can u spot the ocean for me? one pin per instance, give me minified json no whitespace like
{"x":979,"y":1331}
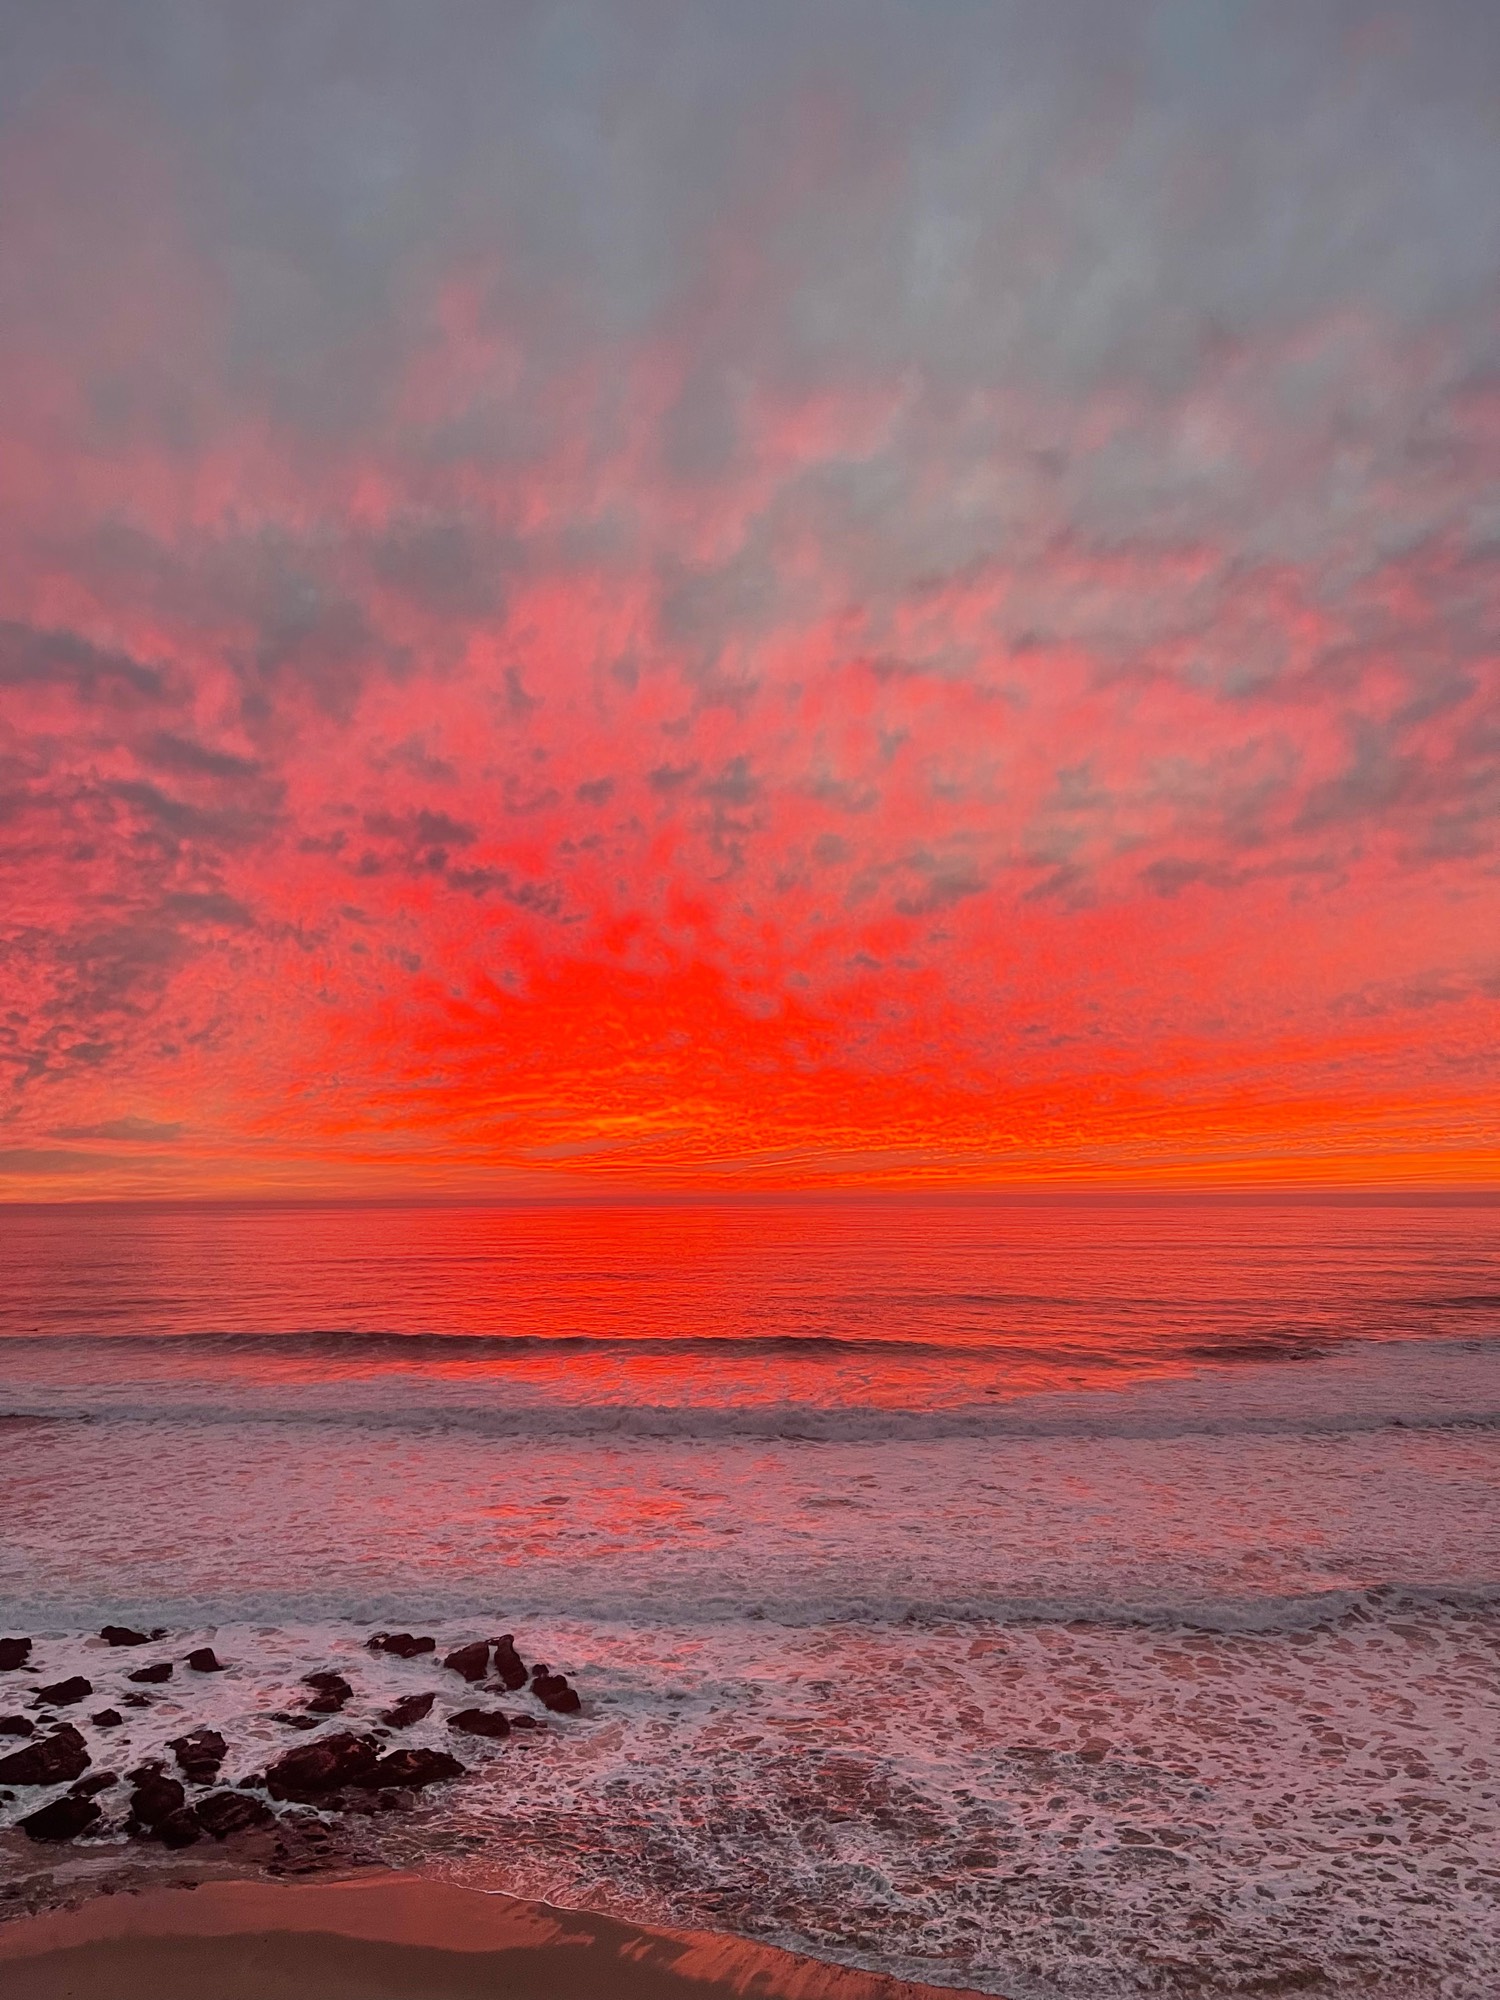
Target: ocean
{"x":1060,"y":1599}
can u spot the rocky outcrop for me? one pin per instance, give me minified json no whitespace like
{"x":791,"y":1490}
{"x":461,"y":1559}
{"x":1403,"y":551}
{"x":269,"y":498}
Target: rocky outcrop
{"x":95,"y":1783}
{"x":152,"y":1676}
{"x":472,"y":1661}
{"x":510,"y":1669}
{"x":14,"y":1653}
{"x":480,"y":1722}
{"x":17,"y":1725}
{"x":224,"y":1813}
{"x":554,"y":1692}
{"x":62,"y":1694}
{"x":411,"y":1708}
{"x":410,"y":1770}
{"x":314,"y":1769}
{"x":179,"y":1829}
{"x":123,"y":1635}
{"x":402,"y":1644}
{"x":199,"y":1753}
{"x":64,"y":1819}
{"x":49,"y":1760}
{"x":155,"y":1798}
{"x":332,"y":1691}
{"x":204,"y":1660}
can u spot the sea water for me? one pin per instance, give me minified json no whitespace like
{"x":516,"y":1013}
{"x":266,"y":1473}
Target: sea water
{"x":1070,"y":1599}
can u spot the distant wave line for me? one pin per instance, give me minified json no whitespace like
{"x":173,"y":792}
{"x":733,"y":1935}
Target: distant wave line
{"x":773,"y":1423}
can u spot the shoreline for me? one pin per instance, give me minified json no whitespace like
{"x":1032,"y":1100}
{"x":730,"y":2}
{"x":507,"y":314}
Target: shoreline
{"x":401,"y":1936}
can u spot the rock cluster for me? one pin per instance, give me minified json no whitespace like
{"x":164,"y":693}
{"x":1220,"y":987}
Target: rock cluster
{"x":343,"y":1769}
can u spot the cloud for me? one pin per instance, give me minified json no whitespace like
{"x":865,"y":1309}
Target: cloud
{"x":871,"y":572}
{"x":146,"y":1131}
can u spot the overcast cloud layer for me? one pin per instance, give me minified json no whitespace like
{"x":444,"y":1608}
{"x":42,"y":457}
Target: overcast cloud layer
{"x":720,"y":593}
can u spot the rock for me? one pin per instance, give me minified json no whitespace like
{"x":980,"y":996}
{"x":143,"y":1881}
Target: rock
{"x":402,"y":1644}
{"x":224,"y":1813}
{"x":480,"y":1722}
{"x":204,"y":1660}
{"x":64,"y":1819}
{"x":123,"y":1635}
{"x":328,"y":1683}
{"x":16,"y":1725}
{"x":313,"y":1769}
{"x":149,"y":1767}
{"x":473,"y":1661}
{"x":527,"y":1722}
{"x":412,"y":1769}
{"x":13,"y":1653}
{"x":510,"y":1669}
{"x":294,"y":1721}
{"x":62,"y":1694}
{"x":332,"y":1692}
{"x":107,"y":1718}
{"x":156,"y":1798}
{"x":94,"y":1783}
{"x":199,"y":1753}
{"x":179,"y":1829}
{"x":411,"y":1708}
{"x":553,"y":1691}
{"x":50,"y":1760}
{"x":150,"y":1676}
{"x":136,"y":1700}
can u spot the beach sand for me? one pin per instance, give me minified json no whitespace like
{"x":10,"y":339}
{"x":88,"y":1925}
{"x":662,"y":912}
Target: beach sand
{"x":378,"y":1936}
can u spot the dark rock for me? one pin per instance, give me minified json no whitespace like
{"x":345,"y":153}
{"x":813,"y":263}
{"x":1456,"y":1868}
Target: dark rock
{"x":553,"y":1691}
{"x":527,"y":1722}
{"x":62,"y":1694}
{"x":16,"y":1725}
{"x":107,"y":1718}
{"x":13,"y":1653}
{"x":156,"y":1798}
{"x":94,"y":1783}
{"x":473,"y":1661}
{"x":411,"y":1708}
{"x":510,"y":1669}
{"x":411,"y":1769}
{"x":158,"y":1631}
{"x":481,"y":1722}
{"x":199,"y":1753}
{"x":149,"y":1767}
{"x":224,"y":1813}
{"x":64,"y":1819}
{"x":50,"y":1760}
{"x":327,"y":1704}
{"x":313,"y":1769}
{"x":294,"y":1721}
{"x":204,"y":1660}
{"x":402,"y":1644}
{"x":136,"y":1700}
{"x":179,"y":1829}
{"x":328,"y":1683}
{"x":150,"y":1676}
{"x":123,"y":1635}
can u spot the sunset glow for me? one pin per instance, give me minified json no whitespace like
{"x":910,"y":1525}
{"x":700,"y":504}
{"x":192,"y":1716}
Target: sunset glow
{"x":773,"y":612}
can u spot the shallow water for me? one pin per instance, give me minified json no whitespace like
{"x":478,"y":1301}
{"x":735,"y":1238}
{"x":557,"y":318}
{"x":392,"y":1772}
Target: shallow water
{"x":1060,"y":1600}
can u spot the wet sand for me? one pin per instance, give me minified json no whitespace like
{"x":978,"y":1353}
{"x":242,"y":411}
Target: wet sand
{"x":377,"y":1936}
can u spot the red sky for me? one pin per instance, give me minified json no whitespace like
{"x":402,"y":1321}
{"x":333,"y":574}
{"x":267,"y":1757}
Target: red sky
{"x":598,"y":598}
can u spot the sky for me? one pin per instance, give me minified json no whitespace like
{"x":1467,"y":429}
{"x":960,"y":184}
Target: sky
{"x":717,"y":596}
